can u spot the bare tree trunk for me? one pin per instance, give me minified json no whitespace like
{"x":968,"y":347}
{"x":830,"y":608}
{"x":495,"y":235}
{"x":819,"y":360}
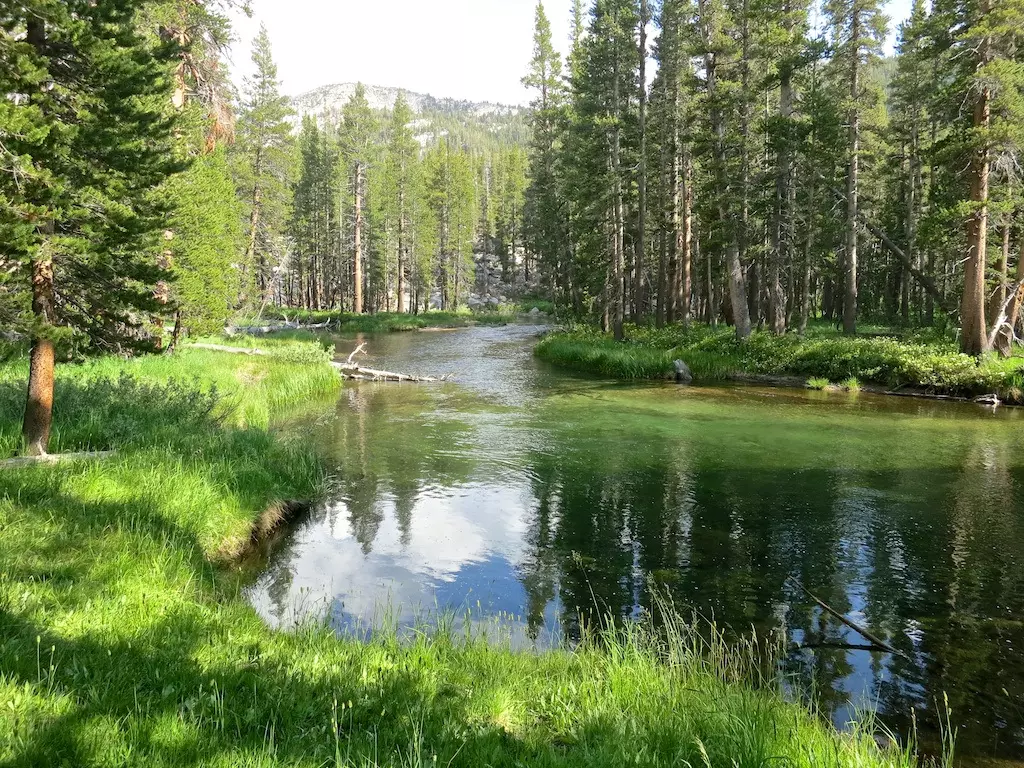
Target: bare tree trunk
{"x":1004,"y":335}
{"x":640,"y":246}
{"x":39,"y":403}
{"x":973,"y":336}
{"x":734,"y":267}
{"x":684,"y":288}
{"x":780,"y":237}
{"x":400,"y":270}
{"x":618,"y":267}
{"x":357,"y":300}
{"x":852,"y":186}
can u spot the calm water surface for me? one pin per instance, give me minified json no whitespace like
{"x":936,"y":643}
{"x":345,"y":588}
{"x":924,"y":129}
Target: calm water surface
{"x":528,"y":493}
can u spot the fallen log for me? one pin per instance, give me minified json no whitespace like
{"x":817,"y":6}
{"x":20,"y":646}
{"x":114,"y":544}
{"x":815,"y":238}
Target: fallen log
{"x":351,"y":370}
{"x":876,"y":641}
{"x":53,"y":458}
{"x":230,"y":350}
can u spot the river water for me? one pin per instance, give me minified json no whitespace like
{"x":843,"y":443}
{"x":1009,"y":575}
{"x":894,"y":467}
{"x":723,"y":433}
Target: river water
{"x":538,"y":497}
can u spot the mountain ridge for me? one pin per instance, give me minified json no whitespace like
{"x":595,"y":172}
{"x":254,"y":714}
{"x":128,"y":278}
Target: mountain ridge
{"x":328,"y":100}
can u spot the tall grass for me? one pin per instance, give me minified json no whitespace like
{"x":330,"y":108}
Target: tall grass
{"x":110,"y":402}
{"x":934,"y":364}
{"x":124,"y":643}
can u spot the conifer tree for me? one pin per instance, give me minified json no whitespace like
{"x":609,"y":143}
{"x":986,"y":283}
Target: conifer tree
{"x":453,"y":199}
{"x":544,"y":223}
{"x":86,"y":142}
{"x":358,"y":135}
{"x":264,"y":167}
{"x":403,"y":190}
{"x":858,"y":28}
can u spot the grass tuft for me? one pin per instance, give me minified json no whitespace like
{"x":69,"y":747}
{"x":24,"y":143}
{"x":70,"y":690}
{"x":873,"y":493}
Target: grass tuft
{"x":818,"y":383}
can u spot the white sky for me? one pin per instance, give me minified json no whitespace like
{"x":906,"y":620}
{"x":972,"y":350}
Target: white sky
{"x":466,"y":49}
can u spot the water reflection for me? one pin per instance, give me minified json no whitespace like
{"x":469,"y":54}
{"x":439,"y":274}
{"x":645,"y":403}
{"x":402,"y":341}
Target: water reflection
{"x":554,"y":501}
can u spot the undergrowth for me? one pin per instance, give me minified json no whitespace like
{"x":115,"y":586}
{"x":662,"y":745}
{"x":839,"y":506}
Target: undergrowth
{"x":715,"y":354}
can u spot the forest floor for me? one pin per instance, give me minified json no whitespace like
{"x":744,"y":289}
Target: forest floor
{"x":124,"y":638}
{"x":922,"y":360}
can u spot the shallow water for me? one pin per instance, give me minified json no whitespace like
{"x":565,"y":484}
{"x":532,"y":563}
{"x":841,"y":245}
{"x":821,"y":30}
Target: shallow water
{"x":539,"y":496}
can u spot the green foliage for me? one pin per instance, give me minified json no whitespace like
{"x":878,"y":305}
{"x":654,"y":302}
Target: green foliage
{"x":648,"y":353}
{"x":83,"y":147}
{"x":263,"y":163}
{"x":109,"y":403}
{"x":818,"y":383}
{"x":207,"y":239}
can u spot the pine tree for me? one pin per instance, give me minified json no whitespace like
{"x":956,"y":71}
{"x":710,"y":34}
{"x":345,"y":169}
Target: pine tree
{"x":544,"y":220}
{"x":453,"y":199}
{"x":992,"y":82}
{"x":264,"y":166}
{"x":86,"y":143}
{"x":403,"y":170}
{"x":206,"y":222}
{"x":718,"y":48}
{"x":858,"y":28}
{"x":358,"y":135}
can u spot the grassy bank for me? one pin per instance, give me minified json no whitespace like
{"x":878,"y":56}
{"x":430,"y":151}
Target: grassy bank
{"x":123,"y":639}
{"x":386,"y":322}
{"x":926,"y":361}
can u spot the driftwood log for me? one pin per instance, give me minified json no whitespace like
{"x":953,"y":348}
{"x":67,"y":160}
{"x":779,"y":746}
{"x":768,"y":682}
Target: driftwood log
{"x":349,"y":369}
{"x":352,"y":370}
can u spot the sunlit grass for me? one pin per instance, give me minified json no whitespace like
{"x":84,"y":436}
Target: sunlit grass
{"x":713,"y":354}
{"x":124,"y":639}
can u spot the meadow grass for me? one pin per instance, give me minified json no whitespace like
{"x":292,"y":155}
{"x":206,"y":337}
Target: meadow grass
{"x":393,"y":322}
{"x":923,"y":360}
{"x":124,"y":639}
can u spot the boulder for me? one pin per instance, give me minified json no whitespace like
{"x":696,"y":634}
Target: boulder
{"x":683,"y":373}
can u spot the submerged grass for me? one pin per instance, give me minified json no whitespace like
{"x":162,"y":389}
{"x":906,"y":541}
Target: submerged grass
{"x":123,"y":642}
{"x":930,"y":362}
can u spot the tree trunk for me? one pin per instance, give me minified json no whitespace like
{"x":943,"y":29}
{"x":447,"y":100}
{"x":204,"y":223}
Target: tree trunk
{"x":618,"y":236}
{"x":852,"y":187}
{"x":640,"y":246}
{"x":973,"y":336}
{"x":400,"y":270}
{"x":1004,"y":336}
{"x":39,"y":403}
{"x":684,"y":288}
{"x":780,"y":237}
{"x":734,"y":268}
{"x":357,"y":289}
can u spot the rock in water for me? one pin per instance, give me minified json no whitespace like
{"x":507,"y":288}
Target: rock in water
{"x":683,"y":373}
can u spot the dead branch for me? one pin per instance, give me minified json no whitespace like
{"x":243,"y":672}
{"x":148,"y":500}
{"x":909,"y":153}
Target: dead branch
{"x":867,"y":635}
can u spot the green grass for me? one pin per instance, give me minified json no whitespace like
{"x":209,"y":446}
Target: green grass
{"x":124,"y":640}
{"x":818,"y":384}
{"x":109,"y":403}
{"x":852,"y":384}
{"x":922,"y":360}
{"x":388,"y":322}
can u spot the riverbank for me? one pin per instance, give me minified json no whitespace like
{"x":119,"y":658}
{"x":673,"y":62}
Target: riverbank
{"x":929,"y":364}
{"x":124,"y":640}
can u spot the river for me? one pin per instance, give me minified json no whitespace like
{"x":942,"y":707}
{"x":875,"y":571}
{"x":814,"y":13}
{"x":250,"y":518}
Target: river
{"x":534,"y":497}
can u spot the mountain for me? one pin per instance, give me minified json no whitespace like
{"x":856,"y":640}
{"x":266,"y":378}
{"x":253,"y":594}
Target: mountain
{"x":476,"y":124}
{"x":328,"y":100}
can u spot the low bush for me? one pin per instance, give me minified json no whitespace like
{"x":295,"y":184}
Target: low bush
{"x":716,"y":354}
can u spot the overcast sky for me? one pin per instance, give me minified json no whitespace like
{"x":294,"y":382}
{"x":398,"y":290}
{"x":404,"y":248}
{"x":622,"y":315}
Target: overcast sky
{"x":466,"y":49}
